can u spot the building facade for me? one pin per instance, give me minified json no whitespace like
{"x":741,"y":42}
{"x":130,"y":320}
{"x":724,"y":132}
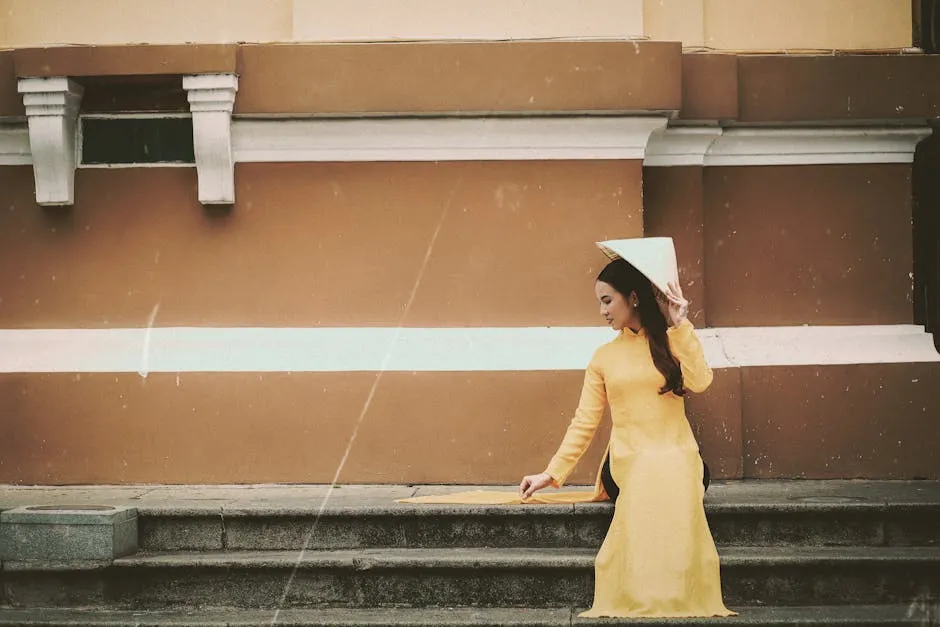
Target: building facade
{"x":248,"y":241}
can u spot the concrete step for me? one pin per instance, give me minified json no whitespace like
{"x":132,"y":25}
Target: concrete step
{"x":275,"y":517}
{"x":916,"y":614}
{"x":275,"y":527}
{"x":540,"y":578}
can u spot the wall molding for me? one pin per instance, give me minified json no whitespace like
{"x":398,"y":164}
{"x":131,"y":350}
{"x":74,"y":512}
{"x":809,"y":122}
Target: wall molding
{"x":209,"y":349}
{"x":444,"y":139}
{"x":495,"y":138}
{"x":680,"y":145}
{"x":220,"y":141}
{"x":814,"y":146}
{"x":583,"y":137}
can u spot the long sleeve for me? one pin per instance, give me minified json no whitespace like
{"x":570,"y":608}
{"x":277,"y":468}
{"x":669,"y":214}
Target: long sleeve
{"x":582,"y":428}
{"x":685,"y":346}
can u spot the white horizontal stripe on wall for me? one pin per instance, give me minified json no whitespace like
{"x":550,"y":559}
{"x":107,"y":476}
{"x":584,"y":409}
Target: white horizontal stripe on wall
{"x":443,"y":139}
{"x":428,"y":350}
{"x":825,"y":345}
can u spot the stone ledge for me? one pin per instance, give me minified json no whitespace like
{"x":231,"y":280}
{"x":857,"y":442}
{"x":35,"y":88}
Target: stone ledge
{"x":212,"y":500}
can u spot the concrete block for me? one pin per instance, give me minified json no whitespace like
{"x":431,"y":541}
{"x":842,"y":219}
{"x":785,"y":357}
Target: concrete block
{"x":67,"y":534}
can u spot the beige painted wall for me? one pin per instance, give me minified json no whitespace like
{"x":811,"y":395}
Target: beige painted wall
{"x":807,"y":24}
{"x":352,"y":20}
{"x":756,"y":25}
{"x":675,"y":20}
{"x":750,"y":25}
{"x":37,"y":22}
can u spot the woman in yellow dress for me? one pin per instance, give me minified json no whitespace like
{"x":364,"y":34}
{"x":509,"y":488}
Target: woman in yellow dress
{"x":658,"y":558}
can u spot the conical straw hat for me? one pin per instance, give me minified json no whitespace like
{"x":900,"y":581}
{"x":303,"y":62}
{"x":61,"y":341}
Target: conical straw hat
{"x":655,"y":257}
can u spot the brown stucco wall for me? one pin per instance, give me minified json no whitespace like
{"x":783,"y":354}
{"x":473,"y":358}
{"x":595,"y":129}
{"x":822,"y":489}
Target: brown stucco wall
{"x":342,"y":244}
{"x":709,"y":87}
{"x":459,"y":77}
{"x":789,"y":245}
{"x":126,"y":60}
{"x":673,"y":206}
{"x":281,"y":427}
{"x":416,"y":77}
{"x":11,"y":104}
{"x":457,"y":427}
{"x":781,"y":88}
{"x":716,"y":419}
{"x":312,"y":244}
{"x":534,"y":77}
{"x":861,"y":420}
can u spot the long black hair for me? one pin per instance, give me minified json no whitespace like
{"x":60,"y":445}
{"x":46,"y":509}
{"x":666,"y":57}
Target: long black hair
{"x":623,"y":277}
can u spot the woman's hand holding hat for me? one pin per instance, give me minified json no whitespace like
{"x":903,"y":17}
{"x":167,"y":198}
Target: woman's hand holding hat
{"x":674,"y":306}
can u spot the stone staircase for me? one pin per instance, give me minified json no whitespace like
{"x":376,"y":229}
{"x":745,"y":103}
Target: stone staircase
{"x":800,"y":552}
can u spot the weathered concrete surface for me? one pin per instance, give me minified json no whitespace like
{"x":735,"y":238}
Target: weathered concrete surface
{"x":869,"y":616}
{"x":272,"y":517}
{"x":782,"y":543}
{"x":540,"y":578}
{"x":67,"y":533}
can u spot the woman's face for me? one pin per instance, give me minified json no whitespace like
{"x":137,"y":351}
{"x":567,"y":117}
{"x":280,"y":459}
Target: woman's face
{"x":616,"y":309}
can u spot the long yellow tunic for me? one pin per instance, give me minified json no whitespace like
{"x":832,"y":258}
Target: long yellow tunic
{"x":658,"y":558}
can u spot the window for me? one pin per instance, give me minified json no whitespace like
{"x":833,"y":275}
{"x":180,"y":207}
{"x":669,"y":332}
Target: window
{"x":137,"y":139}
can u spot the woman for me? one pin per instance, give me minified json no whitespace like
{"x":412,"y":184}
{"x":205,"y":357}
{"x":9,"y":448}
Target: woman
{"x":658,"y":559}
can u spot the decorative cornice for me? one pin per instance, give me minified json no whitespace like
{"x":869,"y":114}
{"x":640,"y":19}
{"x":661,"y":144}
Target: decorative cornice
{"x":211,"y":99}
{"x":444,"y":139}
{"x":680,"y":145}
{"x":220,"y":141}
{"x":814,"y":146}
{"x":52,"y":115}
{"x":14,"y":145}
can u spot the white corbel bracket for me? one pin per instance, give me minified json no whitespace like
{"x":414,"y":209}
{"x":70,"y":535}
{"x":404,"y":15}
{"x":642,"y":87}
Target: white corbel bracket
{"x":52,"y":117}
{"x":211,"y":99}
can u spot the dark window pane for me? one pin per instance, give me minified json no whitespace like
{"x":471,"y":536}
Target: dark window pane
{"x":137,"y":140}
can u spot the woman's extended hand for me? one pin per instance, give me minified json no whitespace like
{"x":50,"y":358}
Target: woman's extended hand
{"x":674,"y":306}
{"x":533,"y":483}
